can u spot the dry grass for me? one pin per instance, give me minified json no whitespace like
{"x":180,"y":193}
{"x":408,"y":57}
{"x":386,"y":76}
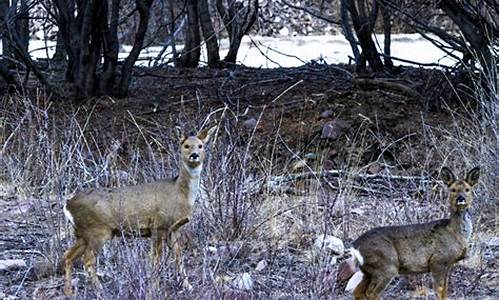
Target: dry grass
{"x":238,"y":221}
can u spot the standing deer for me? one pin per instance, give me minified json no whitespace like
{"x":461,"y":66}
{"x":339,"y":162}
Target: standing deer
{"x":157,"y":210}
{"x":384,"y":252}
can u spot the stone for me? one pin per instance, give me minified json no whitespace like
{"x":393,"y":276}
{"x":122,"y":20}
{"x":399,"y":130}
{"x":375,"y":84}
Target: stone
{"x":249,"y":124}
{"x":326,"y":114}
{"x":333,"y":129}
{"x":12,"y":264}
{"x":261,"y":265}
{"x":243,"y":282}
{"x":331,"y":243}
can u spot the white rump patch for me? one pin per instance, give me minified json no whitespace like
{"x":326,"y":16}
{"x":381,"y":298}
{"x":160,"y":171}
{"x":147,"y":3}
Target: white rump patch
{"x":354,"y":281}
{"x":68,"y":215}
{"x":355,"y":253}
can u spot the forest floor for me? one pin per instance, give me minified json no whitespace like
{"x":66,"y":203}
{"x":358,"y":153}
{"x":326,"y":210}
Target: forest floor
{"x":257,"y":223}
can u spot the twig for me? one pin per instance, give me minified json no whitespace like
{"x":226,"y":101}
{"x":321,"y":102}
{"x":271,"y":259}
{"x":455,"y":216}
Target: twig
{"x":276,"y":180}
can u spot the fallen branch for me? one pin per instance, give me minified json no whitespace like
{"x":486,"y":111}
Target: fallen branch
{"x":394,"y":86}
{"x":277,"y":180}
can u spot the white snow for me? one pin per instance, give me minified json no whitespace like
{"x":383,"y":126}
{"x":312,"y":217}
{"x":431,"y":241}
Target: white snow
{"x":290,"y":51}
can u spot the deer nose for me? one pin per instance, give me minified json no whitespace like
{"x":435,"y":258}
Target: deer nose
{"x":194,"y":156}
{"x":460,"y":200}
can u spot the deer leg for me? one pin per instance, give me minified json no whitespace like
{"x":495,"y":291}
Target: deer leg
{"x":89,"y":260}
{"x":69,"y":257}
{"x":377,"y":286}
{"x":158,"y":237}
{"x":360,"y":290}
{"x":440,"y":277}
{"x":174,"y":245}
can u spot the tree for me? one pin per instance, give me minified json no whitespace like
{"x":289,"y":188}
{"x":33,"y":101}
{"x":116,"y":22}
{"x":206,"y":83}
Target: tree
{"x":364,"y":16}
{"x":198,"y":17}
{"x":89,"y":31}
{"x":238,"y":18}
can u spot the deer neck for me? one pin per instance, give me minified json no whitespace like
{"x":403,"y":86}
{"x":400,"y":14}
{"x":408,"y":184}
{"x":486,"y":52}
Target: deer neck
{"x":189,"y":182}
{"x":461,"y":223}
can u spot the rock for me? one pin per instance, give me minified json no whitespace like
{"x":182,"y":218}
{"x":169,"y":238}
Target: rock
{"x":249,"y":124}
{"x":326,"y":114}
{"x":333,"y":129}
{"x":333,"y":244}
{"x":374,"y":168}
{"x":261,"y":265}
{"x":12,"y":264}
{"x":243,"y":282}
{"x":284,"y":31}
{"x":311,"y":156}
{"x":332,"y":153}
{"x":328,"y":165}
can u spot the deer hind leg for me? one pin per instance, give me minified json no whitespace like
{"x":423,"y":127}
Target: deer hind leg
{"x":376,"y":287}
{"x":95,"y":241}
{"x":360,"y":290}
{"x":69,"y":258}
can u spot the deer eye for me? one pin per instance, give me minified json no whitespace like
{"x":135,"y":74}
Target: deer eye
{"x":467,"y":190}
{"x":200,"y":146}
{"x":453,"y":190}
{"x":186,"y":146}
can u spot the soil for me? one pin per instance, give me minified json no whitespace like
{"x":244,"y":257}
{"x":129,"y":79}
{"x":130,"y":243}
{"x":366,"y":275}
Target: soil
{"x":291,"y":105}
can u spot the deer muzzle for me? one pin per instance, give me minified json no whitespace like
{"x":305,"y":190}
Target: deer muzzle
{"x":461,"y":200}
{"x":194,"y":157}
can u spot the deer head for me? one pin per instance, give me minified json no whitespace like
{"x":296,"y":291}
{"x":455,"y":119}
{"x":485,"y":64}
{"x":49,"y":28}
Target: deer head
{"x":460,"y":191}
{"x":192,"y":148}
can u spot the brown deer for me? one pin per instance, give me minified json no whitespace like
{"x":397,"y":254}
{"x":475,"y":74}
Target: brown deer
{"x":384,"y":252}
{"x":157,"y":210}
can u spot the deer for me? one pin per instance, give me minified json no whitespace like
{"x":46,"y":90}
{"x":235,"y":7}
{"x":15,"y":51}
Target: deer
{"x":381,"y":253}
{"x":157,"y":210}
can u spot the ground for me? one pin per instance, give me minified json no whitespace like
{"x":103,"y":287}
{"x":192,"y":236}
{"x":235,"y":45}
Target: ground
{"x":263,"y":203}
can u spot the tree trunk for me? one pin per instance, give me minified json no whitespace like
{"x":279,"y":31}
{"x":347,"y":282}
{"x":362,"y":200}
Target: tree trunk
{"x":238,"y":21}
{"x":347,"y":31}
{"x":60,"y":53}
{"x":144,"y":7}
{"x":363,"y":25}
{"x":472,"y":32}
{"x":209,"y":34}
{"x":190,"y":55}
{"x":110,"y":48}
{"x":386,"y":15}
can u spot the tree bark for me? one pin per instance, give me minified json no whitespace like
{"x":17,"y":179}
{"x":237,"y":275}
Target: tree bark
{"x":190,"y":55}
{"x":208,"y":34}
{"x":110,"y":48}
{"x":363,"y":25}
{"x":471,"y":29}
{"x":238,"y":21}
{"x":386,"y":16}
{"x":144,"y":7}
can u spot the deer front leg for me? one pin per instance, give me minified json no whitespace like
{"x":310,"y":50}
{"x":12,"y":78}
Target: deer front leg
{"x":179,"y":266}
{"x":440,"y":277}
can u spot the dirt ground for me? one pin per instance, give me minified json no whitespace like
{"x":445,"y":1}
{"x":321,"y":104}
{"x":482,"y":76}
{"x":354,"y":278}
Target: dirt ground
{"x":289,"y":121}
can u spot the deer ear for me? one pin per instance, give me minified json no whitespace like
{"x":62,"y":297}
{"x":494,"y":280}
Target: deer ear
{"x":473,"y":176}
{"x":447,"y":176}
{"x":206,"y":133}
{"x":179,"y":133}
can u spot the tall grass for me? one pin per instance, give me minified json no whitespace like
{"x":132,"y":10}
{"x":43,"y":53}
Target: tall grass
{"x":238,"y":222}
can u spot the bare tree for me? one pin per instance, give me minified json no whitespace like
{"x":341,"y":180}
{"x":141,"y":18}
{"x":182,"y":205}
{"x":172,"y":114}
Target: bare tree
{"x":477,"y":21}
{"x":238,"y":18}
{"x":89,"y":32}
{"x":364,"y":16}
{"x":199,"y":17}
